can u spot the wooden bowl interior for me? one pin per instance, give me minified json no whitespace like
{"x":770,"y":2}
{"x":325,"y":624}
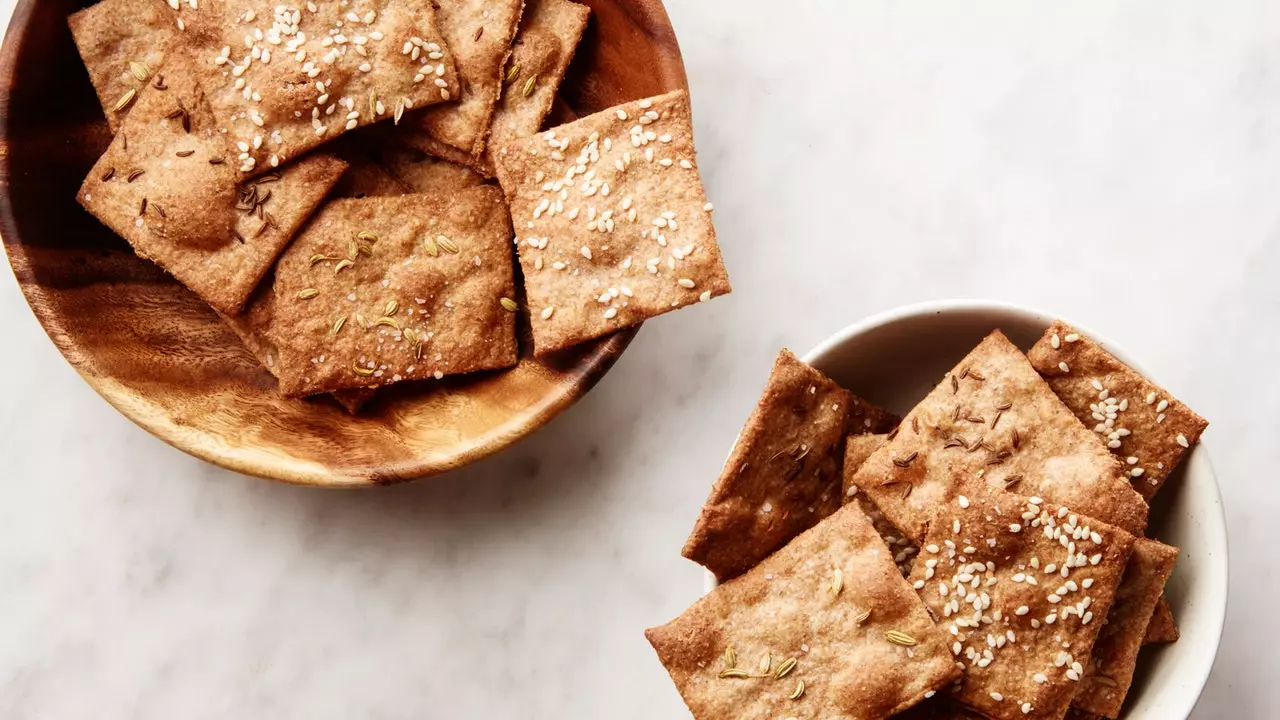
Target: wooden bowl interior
{"x":154,"y":350}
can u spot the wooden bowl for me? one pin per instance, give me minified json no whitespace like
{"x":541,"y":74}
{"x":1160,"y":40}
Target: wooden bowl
{"x":160,"y":356}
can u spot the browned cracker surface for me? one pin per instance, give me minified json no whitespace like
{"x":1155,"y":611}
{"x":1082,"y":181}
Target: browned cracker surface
{"x":217,"y":238}
{"x":1109,"y":672}
{"x":1140,"y":421}
{"x":856,"y":451}
{"x":826,"y":602}
{"x":994,"y":417}
{"x":1022,"y":588}
{"x":380,"y":290}
{"x":783,"y":474}
{"x":623,"y":239}
{"x":549,"y":34}
{"x":252,"y":327}
{"x":480,"y":33}
{"x":283,"y":79}
{"x":1162,"y":628}
{"x":123,"y":44}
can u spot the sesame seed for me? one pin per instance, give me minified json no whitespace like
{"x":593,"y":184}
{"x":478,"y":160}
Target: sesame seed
{"x":963,"y":501}
{"x":1055,"y":341}
{"x":1064,"y":367}
{"x":1182,"y":440}
{"x":685,"y":283}
{"x":1164,"y":405}
{"x":1072,"y":337}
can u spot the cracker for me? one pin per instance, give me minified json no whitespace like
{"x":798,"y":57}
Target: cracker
{"x":314,"y":74}
{"x":252,"y":327}
{"x":217,"y":238}
{"x":826,"y":601}
{"x":123,"y":44}
{"x":1109,"y":672}
{"x":856,"y":451}
{"x":598,"y":247}
{"x":1023,"y":587}
{"x":415,"y":286}
{"x":783,"y":474}
{"x":1140,"y":422}
{"x":1162,"y":628}
{"x":549,"y":34}
{"x":994,"y":417}
{"x":480,"y":34}
{"x":425,"y":173}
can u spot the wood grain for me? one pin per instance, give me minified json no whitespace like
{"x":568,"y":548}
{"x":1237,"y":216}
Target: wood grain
{"x":154,"y":351}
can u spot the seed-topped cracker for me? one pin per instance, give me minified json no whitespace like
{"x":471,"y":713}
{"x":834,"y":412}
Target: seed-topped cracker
{"x":1140,"y":422}
{"x":283,"y":79}
{"x":480,"y":33}
{"x":612,"y":221}
{"x":1109,"y":672}
{"x":168,"y":186}
{"x":253,"y":327}
{"x":994,"y":417}
{"x":1162,"y":628}
{"x":783,"y":475}
{"x":124,"y":44}
{"x":1022,"y":588}
{"x":380,"y":290}
{"x":549,"y":34}
{"x":857,"y":449}
{"x":823,"y":628}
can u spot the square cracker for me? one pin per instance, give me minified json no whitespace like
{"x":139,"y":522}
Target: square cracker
{"x":1022,"y":587}
{"x":282,"y":80}
{"x":593,"y":203}
{"x":1138,"y":420}
{"x":380,"y":290}
{"x":123,"y":43}
{"x":1162,"y":628}
{"x":994,"y":417}
{"x":783,"y":474}
{"x":216,"y":237}
{"x":1109,"y":672}
{"x":857,"y":449}
{"x":826,"y":602}
{"x":480,"y":33}
{"x":252,"y":327}
{"x":549,"y":34}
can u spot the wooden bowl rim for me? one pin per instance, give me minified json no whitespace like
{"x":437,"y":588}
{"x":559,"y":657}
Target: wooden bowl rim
{"x":155,"y":419}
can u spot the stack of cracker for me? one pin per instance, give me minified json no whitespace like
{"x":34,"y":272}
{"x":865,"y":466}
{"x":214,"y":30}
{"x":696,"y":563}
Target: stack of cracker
{"x":1007,"y":510}
{"x":323,"y":176}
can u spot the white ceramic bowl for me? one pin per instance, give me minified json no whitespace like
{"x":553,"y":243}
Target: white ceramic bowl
{"x":895,"y":359}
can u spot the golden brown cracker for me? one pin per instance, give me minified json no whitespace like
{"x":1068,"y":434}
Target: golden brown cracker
{"x":380,"y":290}
{"x":1109,"y":672}
{"x":1139,"y":421}
{"x":1162,"y":628}
{"x":1022,"y":587}
{"x":284,"y":79}
{"x":167,"y":186}
{"x":124,"y":44}
{"x":823,"y":628}
{"x":783,"y":474}
{"x":613,"y":224}
{"x":993,"y":417}
{"x":480,"y":33}
{"x":857,"y":449}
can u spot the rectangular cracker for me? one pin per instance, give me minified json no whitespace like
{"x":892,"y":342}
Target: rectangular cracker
{"x":1162,"y":628}
{"x":252,"y":327}
{"x":857,"y":449}
{"x":380,"y":290}
{"x":216,"y":237}
{"x":123,"y":43}
{"x":783,"y":474}
{"x":598,"y":247}
{"x":826,"y":602}
{"x":1140,"y":422}
{"x":480,"y":33}
{"x":313,"y":74}
{"x":1022,"y":586}
{"x":1109,"y":672}
{"x":994,"y":417}
{"x":549,"y":34}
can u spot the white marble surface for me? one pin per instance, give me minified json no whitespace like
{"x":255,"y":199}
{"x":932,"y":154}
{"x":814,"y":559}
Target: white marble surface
{"x":1115,"y":161}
